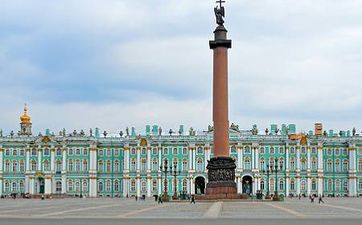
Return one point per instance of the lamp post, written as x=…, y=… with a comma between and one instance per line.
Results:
x=165, y=171
x=267, y=171
x=174, y=172
x=276, y=168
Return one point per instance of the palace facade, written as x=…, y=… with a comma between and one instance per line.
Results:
x=97, y=165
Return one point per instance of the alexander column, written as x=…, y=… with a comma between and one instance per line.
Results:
x=221, y=168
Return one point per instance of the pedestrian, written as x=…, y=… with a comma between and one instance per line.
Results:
x=192, y=199
x=312, y=199
x=136, y=197
x=160, y=200
x=42, y=197
x=299, y=196
x=320, y=199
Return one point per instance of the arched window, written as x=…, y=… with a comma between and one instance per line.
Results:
x=338, y=165
x=174, y=151
x=100, y=166
x=292, y=150
x=233, y=149
x=281, y=184
x=345, y=165
x=70, y=185
x=15, y=152
x=345, y=185
x=108, y=166
x=108, y=186
x=281, y=163
x=77, y=151
x=360, y=184
x=58, y=186
x=46, y=166
x=329, y=165
x=7, y=166
x=133, y=151
x=184, y=151
x=133, y=185
x=70, y=165
x=184, y=185
x=262, y=185
x=33, y=165
x=6, y=188
x=143, y=186
x=33, y=152
x=154, y=151
x=46, y=152
x=338, y=183
x=116, y=186
x=100, y=186
x=154, y=185
x=165, y=151
x=271, y=162
x=143, y=151
x=175, y=163
x=302, y=185
x=116, y=166
x=85, y=186
x=272, y=150
x=21, y=186
x=329, y=185
x=143, y=164
x=15, y=166
x=77, y=186
x=200, y=165
x=133, y=165
x=22, y=166
x=85, y=165
x=200, y=150
x=360, y=165
x=77, y=165
x=184, y=165
x=303, y=164
x=247, y=150
x=247, y=165
x=154, y=164
x=59, y=153
x=14, y=187
x=272, y=183
x=292, y=185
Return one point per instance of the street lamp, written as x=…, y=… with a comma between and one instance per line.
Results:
x=276, y=167
x=174, y=172
x=267, y=171
x=165, y=171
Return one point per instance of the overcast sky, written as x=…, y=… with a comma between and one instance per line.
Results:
x=118, y=63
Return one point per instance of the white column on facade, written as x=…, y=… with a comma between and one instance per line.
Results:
x=257, y=159
x=148, y=159
x=192, y=183
x=47, y=185
x=238, y=185
x=159, y=156
x=352, y=185
x=298, y=158
x=320, y=158
x=64, y=160
x=239, y=168
x=159, y=185
x=1, y=158
x=320, y=186
x=126, y=159
x=148, y=186
x=194, y=158
x=190, y=158
x=27, y=159
x=298, y=185
x=252, y=158
x=138, y=159
x=287, y=186
x=309, y=185
x=286, y=158
x=52, y=159
x=255, y=185
x=308, y=158
x=125, y=188
x=138, y=186
x=32, y=186
x=93, y=187
x=241, y=158
x=93, y=171
x=40, y=163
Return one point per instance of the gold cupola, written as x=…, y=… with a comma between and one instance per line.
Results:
x=25, y=118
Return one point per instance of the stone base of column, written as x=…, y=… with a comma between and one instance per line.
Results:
x=221, y=175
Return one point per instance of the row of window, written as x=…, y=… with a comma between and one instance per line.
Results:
x=46, y=152
x=154, y=185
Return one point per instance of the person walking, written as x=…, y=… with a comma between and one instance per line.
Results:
x=312, y=199
x=320, y=199
x=299, y=196
x=192, y=199
x=160, y=200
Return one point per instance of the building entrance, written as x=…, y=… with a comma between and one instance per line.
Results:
x=200, y=185
x=41, y=185
x=247, y=182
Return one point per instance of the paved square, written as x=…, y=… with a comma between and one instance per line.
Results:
x=118, y=210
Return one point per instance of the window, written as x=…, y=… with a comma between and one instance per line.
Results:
x=271, y=184
x=59, y=165
x=85, y=186
x=175, y=163
x=281, y=163
x=7, y=152
x=77, y=165
x=116, y=186
x=21, y=186
x=345, y=165
x=46, y=165
x=70, y=185
x=200, y=150
x=314, y=150
x=85, y=165
x=15, y=152
x=154, y=151
x=338, y=165
x=329, y=152
x=133, y=151
x=116, y=152
x=33, y=152
x=247, y=150
x=314, y=164
x=200, y=165
x=154, y=164
x=337, y=185
x=46, y=152
x=233, y=149
x=6, y=189
x=143, y=186
x=133, y=185
x=143, y=151
x=15, y=166
x=292, y=150
x=329, y=165
x=70, y=151
x=184, y=151
x=100, y=166
x=360, y=184
x=133, y=165
x=22, y=166
x=59, y=152
x=174, y=151
x=100, y=186
x=262, y=150
x=292, y=164
x=345, y=152
x=7, y=166
x=360, y=165
x=13, y=187
x=116, y=166
x=345, y=185
x=262, y=185
x=33, y=165
x=184, y=165
x=108, y=166
x=77, y=151
x=165, y=151
x=143, y=164
x=303, y=150
x=314, y=185
x=108, y=186
x=302, y=185
x=337, y=151
x=329, y=185
x=247, y=165
x=109, y=152
x=70, y=165
x=154, y=185
x=281, y=150
x=22, y=152
x=100, y=152
x=281, y=185
x=272, y=150
x=262, y=164
x=77, y=186
x=303, y=164
x=184, y=185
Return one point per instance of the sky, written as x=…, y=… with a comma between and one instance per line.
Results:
x=113, y=64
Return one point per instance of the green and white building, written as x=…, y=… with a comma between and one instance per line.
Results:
x=97, y=165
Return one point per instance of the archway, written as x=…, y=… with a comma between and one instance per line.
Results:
x=41, y=185
x=200, y=185
x=247, y=182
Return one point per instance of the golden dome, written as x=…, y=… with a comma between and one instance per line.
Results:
x=25, y=119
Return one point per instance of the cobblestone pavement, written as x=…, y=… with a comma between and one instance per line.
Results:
x=118, y=209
